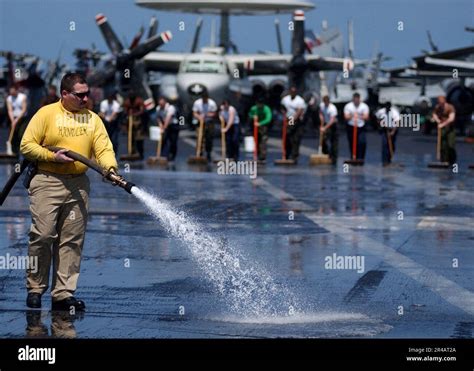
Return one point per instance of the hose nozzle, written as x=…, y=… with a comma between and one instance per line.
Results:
x=121, y=182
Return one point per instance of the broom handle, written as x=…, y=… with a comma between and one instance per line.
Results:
x=390, y=144
x=255, y=138
x=198, y=146
x=12, y=131
x=160, y=143
x=283, y=138
x=320, y=148
x=223, y=137
x=354, y=136
x=130, y=131
x=438, y=145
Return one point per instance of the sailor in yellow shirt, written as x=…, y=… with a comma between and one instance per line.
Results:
x=59, y=192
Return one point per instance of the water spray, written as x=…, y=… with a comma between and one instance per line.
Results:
x=249, y=290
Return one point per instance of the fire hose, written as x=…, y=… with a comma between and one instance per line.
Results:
x=114, y=178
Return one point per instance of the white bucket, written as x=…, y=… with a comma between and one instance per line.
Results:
x=155, y=133
x=249, y=143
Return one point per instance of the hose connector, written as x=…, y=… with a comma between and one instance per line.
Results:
x=120, y=181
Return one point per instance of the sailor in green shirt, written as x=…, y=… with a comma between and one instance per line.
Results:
x=263, y=115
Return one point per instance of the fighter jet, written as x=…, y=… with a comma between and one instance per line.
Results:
x=430, y=75
x=328, y=44
x=212, y=68
x=440, y=73
x=220, y=73
x=365, y=79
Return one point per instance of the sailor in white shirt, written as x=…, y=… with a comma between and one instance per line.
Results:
x=109, y=112
x=357, y=112
x=205, y=109
x=232, y=129
x=294, y=108
x=167, y=119
x=17, y=106
x=328, y=118
x=389, y=120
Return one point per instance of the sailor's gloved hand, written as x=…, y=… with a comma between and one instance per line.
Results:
x=112, y=176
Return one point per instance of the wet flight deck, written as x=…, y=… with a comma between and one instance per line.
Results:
x=362, y=252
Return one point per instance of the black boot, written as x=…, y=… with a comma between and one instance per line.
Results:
x=33, y=300
x=67, y=303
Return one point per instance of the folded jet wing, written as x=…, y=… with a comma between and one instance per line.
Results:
x=164, y=61
x=279, y=64
x=450, y=63
x=461, y=58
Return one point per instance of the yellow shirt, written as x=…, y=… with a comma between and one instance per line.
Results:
x=82, y=132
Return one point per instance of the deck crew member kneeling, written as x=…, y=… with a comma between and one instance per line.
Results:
x=59, y=192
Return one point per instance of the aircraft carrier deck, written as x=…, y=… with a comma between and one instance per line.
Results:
x=410, y=227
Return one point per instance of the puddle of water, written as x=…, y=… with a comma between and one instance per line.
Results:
x=299, y=318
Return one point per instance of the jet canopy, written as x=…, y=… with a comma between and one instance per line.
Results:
x=203, y=65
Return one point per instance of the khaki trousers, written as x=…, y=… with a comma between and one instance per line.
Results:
x=59, y=206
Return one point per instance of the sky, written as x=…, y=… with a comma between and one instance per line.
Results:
x=42, y=27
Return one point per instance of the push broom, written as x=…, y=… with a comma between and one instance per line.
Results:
x=223, y=147
x=320, y=158
x=390, y=149
x=354, y=160
x=9, y=154
x=198, y=159
x=255, y=139
x=390, y=144
x=438, y=164
x=158, y=159
x=130, y=156
x=284, y=160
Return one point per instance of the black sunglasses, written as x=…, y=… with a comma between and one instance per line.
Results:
x=81, y=95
